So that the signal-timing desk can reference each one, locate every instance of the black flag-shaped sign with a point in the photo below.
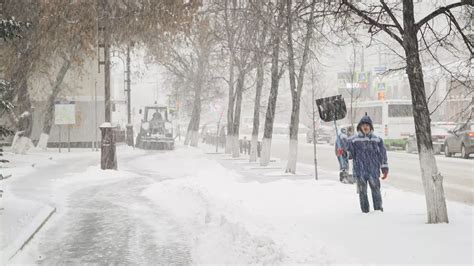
(331, 108)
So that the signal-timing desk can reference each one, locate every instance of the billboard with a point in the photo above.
(64, 113)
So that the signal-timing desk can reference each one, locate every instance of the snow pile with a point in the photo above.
(222, 231)
(298, 221)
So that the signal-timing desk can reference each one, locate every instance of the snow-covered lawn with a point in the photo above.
(234, 219)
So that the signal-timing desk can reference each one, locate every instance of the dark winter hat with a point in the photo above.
(365, 120)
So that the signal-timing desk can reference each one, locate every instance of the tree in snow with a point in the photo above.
(276, 29)
(62, 35)
(295, 12)
(9, 29)
(260, 14)
(238, 36)
(5, 106)
(411, 35)
(186, 56)
(57, 32)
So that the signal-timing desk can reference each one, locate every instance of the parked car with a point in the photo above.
(460, 140)
(438, 135)
(324, 134)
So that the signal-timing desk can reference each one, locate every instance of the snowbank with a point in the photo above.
(299, 221)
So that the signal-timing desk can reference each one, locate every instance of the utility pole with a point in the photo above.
(108, 156)
(129, 107)
(108, 112)
(129, 114)
(104, 44)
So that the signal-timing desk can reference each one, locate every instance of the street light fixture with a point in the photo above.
(127, 81)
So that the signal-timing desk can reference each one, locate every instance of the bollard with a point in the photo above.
(108, 156)
(130, 135)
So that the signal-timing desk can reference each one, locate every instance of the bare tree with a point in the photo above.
(385, 18)
(297, 79)
(57, 27)
(238, 38)
(261, 25)
(275, 39)
(186, 56)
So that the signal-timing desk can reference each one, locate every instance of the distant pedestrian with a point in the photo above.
(350, 131)
(222, 136)
(340, 150)
(369, 158)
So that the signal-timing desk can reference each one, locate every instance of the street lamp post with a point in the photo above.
(127, 80)
(108, 156)
(129, 106)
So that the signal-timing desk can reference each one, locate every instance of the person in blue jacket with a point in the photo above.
(369, 158)
(340, 150)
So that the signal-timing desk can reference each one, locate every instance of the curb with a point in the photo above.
(25, 237)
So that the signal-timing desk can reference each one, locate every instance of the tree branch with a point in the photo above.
(440, 11)
(372, 21)
(392, 16)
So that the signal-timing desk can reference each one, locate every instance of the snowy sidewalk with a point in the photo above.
(20, 218)
(28, 200)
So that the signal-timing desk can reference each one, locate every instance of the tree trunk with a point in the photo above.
(230, 109)
(22, 140)
(49, 112)
(195, 120)
(272, 98)
(203, 58)
(256, 111)
(431, 178)
(238, 108)
(196, 114)
(296, 86)
(187, 138)
(23, 114)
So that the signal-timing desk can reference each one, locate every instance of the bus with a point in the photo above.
(392, 118)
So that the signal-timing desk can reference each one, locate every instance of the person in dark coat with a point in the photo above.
(369, 158)
(157, 124)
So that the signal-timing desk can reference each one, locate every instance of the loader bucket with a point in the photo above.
(331, 108)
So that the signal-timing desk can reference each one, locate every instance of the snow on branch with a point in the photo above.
(10, 28)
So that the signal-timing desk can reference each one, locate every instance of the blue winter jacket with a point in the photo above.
(368, 152)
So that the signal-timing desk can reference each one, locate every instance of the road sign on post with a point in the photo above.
(65, 115)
